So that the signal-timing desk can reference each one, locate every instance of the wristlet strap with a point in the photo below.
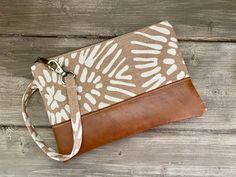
(74, 116)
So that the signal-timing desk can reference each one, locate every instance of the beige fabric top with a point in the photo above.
(112, 71)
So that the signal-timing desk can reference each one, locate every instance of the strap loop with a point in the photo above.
(75, 120)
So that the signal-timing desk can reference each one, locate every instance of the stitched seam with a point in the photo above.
(128, 100)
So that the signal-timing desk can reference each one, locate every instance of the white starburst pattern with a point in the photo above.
(97, 62)
(113, 71)
(53, 96)
(157, 72)
(172, 51)
(147, 59)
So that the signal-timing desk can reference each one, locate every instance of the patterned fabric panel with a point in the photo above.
(112, 71)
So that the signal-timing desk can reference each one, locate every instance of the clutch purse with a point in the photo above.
(111, 90)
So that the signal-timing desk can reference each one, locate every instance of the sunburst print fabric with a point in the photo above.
(113, 71)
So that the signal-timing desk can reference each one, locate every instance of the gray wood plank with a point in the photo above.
(197, 147)
(152, 153)
(197, 20)
(211, 65)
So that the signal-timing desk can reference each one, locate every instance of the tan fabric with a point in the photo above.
(112, 71)
(75, 122)
(172, 102)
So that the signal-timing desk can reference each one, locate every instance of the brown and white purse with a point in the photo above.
(113, 89)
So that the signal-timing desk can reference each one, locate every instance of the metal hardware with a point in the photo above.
(55, 66)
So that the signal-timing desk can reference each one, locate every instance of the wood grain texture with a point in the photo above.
(212, 74)
(152, 153)
(199, 147)
(199, 20)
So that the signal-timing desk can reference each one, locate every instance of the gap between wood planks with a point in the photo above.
(4, 127)
(184, 39)
(160, 129)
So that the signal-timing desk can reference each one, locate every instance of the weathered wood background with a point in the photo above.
(196, 147)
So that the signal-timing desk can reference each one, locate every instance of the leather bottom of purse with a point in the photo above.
(169, 103)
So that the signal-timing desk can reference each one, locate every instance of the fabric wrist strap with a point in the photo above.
(74, 116)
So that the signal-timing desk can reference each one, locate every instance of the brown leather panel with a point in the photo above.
(169, 103)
